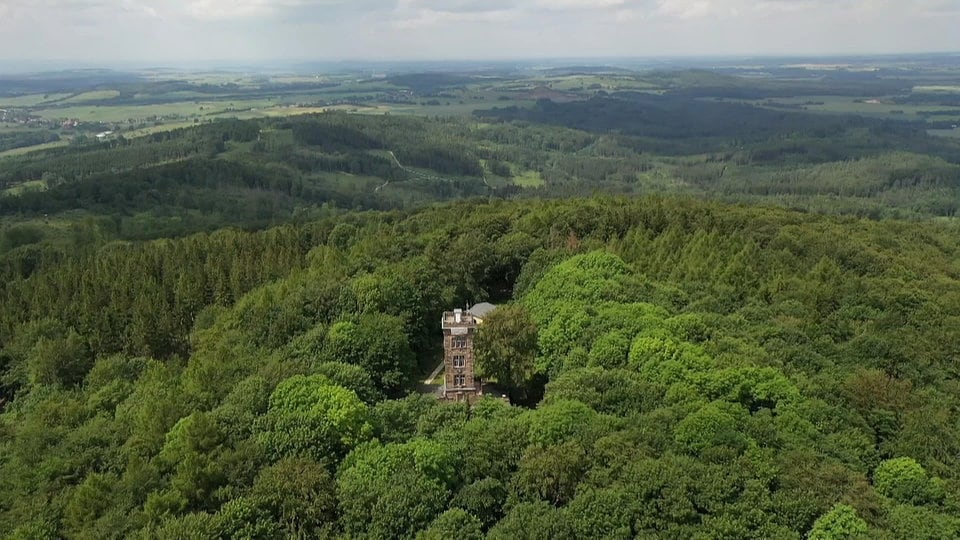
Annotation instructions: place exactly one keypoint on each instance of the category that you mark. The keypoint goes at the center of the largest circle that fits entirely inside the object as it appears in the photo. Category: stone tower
(459, 329)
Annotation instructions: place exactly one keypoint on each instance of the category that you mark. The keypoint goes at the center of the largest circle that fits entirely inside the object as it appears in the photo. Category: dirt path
(434, 375)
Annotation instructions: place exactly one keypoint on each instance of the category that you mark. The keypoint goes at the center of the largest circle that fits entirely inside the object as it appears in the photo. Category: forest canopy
(679, 368)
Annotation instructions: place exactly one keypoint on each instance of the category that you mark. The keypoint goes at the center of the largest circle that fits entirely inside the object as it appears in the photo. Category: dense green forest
(679, 369)
(729, 304)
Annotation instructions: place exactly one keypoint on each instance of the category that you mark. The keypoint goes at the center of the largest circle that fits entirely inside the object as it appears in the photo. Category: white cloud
(244, 29)
(560, 5)
(687, 9)
(429, 18)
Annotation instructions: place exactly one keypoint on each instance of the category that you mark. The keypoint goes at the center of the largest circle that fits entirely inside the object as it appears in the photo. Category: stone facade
(459, 381)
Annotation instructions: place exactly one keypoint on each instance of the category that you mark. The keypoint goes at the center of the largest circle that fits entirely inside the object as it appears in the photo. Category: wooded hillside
(698, 370)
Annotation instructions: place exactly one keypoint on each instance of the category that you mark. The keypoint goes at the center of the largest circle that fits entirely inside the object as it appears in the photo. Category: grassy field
(598, 82)
(528, 179)
(170, 126)
(937, 89)
(31, 100)
(188, 113)
(28, 149)
(123, 113)
(95, 95)
(182, 109)
(32, 185)
(280, 111)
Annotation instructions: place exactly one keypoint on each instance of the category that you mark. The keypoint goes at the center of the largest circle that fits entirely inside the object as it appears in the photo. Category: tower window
(459, 380)
(459, 343)
(459, 361)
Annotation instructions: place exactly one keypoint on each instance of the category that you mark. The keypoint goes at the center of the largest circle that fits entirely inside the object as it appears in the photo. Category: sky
(175, 31)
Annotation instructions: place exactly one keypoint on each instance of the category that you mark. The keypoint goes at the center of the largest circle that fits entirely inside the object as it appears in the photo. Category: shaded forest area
(674, 125)
(22, 139)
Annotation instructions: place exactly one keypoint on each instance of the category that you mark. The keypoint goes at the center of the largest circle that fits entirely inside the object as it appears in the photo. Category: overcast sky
(172, 31)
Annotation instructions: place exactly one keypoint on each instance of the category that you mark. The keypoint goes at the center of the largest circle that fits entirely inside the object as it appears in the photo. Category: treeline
(10, 140)
(711, 124)
(82, 159)
(787, 82)
(689, 369)
(67, 81)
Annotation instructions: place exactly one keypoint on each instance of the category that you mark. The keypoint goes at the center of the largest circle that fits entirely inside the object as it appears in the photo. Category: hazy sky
(251, 30)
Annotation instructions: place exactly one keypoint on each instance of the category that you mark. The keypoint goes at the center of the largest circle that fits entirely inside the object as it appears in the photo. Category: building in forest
(460, 383)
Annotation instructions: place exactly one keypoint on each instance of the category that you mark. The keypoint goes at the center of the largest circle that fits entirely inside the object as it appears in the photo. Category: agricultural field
(937, 89)
(30, 100)
(139, 113)
(169, 100)
(33, 148)
(95, 95)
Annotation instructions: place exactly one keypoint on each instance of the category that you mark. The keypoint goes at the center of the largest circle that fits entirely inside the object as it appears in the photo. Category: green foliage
(193, 453)
(377, 343)
(46, 353)
(610, 350)
(754, 388)
(483, 499)
(707, 371)
(300, 495)
(615, 391)
(505, 347)
(397, 420)
(840, 523)
(716, 424)
(454, 523)
(560, 421)
(531, 521)
(239, 410)
(194, 526)
(244, 518)
(551, 473)
(907, 521)
(311, 416)
(905, 481)
(601, 514)
(351, 377)
(583, 279)
(394, 490)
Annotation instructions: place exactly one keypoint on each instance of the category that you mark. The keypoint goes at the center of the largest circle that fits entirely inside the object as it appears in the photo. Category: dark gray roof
(481, 309)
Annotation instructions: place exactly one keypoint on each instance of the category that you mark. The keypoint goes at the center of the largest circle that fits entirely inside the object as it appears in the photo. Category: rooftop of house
(482, 309)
